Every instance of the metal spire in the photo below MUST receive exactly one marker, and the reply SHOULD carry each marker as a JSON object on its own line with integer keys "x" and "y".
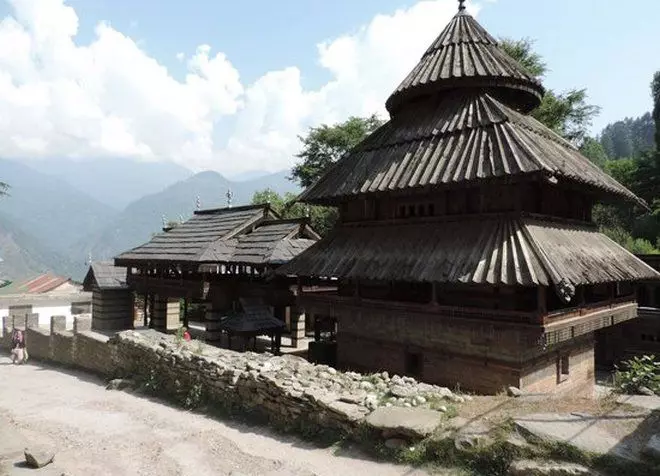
{"x": 461, "y": 5}
{"x": 229, "y": 196}
{"x": 164, "y": 221}
{"x": 198, "y": 203}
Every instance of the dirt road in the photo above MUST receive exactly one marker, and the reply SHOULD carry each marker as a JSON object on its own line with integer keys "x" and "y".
{"x": 98, "y": 432}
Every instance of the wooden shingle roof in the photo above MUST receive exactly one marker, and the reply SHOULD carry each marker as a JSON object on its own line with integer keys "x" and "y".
{"x": 466, "y": 55}
{"x": 105, "y": 275}
{"x": 189, "y": 241}
{"x": 250, "y": 235}
{"x": 255, "y": 318}
{"x": 467, "y": 137}
{"x": 498, "y": 250}
{"x": 460, "y": 117}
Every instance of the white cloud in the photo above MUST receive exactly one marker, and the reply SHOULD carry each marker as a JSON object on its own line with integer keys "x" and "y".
{"x": 109, "y": 98}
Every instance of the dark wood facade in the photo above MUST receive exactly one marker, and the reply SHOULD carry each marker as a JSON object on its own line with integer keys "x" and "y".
{"x": 223, "y": 259}
{"x": 112, "y": 299}
{"x": 638, "y": 337}
{"x": 465, "y": 252}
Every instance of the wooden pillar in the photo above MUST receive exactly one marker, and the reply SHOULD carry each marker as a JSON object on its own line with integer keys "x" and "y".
{"x": 297, "y": 326}
{"x": 278, "y": 343}
{"x": 173, "y": 316}
{"x": 152, "y": 305}
{"x": 434, "y": 293}
{"x": 145, "y": 316}
{"x": 185, "y": 313}
{"x": 212, "y": 324}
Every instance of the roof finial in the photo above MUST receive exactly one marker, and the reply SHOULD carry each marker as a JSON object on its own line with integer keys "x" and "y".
{"x": 229, "y": 197}
{"x": 461, "y": 5}
{"x": 164, "y": 220}
{"x": 198, "y": 203}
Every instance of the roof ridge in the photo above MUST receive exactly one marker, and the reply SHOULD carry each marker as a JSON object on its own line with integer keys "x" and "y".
{"x": 211, "y": 211}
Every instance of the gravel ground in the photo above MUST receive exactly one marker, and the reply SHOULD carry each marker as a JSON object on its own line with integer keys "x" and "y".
{"x": 99, "y": 432}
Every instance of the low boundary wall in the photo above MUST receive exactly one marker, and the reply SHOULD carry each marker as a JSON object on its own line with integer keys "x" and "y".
{"x": 287, "y": 391}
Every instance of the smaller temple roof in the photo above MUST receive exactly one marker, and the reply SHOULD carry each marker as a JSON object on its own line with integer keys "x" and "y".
{"x": 255, "y": 318}
{"x": 481, "y": 250}
{"x": 105, "y": 275}
{"x": 251, "y": 235}
{"x": 272, "y": 242}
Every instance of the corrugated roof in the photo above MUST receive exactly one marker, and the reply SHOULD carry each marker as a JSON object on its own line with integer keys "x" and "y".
{"x": 466, "y": 54}
{"x": 462, "y": 138}
{"x": 496, "y": 250}
{"x": 38, "y": 285}
{"x": 105, "y": 275}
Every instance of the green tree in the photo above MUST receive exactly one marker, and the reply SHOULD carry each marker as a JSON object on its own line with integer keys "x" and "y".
{"x": 4, "y": 189}
{"x": 655, "y": 94}
{"x": 322, "y": 219}
{"x": 567, "y": 113}
{"x": 324, "y": 145}
{"x": 594, "y": 151}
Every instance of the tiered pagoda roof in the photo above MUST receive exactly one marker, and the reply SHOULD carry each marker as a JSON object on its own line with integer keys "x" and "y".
{"x": 249, "y": 235}
{"x": 460, "y": 117}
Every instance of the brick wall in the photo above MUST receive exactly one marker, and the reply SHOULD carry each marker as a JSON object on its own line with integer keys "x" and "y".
{"x": 469, "y": 373}
{"x": 544, "y": 375}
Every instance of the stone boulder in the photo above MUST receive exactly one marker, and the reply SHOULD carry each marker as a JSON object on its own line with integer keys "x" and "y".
{"x": 411, "y": 423}
{"x": 548, "y": 468}
{"x": 120, "y": 384}
{"x": 514, "y": 392}
{"x": 38, "y": 457}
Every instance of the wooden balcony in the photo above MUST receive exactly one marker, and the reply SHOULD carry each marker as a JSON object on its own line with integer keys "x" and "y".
{"x": 555, "y": 327}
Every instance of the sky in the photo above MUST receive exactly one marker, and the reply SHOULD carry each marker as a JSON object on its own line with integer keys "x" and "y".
{"x": 229, "y": 86}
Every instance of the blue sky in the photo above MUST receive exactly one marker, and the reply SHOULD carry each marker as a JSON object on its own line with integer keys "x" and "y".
{"x": 607, "y": 46}
{"x": 610, "y": 47}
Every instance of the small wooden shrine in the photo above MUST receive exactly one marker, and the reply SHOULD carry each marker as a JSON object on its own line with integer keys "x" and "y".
{"x": 112, "y": 299}
{"x": 465, "y": 249}
{"x": 222, "y": 258}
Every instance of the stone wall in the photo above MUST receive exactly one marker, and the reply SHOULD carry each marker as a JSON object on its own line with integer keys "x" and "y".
{"x": 285, "y": 390}
{"x": 80, "y": 348}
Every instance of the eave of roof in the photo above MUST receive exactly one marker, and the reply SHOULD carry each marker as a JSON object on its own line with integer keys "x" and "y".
{"x": 497, "y": 250}
{"x": 466, "y": 138}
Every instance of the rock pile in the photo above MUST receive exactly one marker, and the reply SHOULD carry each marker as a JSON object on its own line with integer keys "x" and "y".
{"x": 281, "y": 388}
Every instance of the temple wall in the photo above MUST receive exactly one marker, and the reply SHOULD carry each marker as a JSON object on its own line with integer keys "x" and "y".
{"x": 478, "y": 375}
{"x": 544, "y": 375}
{"x": 481, "y": 357}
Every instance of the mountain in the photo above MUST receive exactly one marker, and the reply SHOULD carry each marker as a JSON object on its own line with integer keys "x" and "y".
{"x": 48, "y": 208}
{"x": 139, "y": 220}
{"x": 22, "y": 255}
{"x": 114, "y": 182}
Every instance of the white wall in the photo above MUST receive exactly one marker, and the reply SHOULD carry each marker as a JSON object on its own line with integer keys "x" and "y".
{"x": 46, "y": 312}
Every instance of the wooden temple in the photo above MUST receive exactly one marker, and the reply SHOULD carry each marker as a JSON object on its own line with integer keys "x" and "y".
{"x": 225, "y": 260}
{"x": 465, "y": 250}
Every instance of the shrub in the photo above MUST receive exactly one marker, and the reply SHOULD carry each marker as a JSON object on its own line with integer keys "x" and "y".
{"x": 638, "y": 372}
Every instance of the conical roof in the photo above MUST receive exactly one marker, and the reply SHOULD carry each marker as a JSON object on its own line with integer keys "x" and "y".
{"x": 460, "y": 117}
{"x": 466, "y": 56}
